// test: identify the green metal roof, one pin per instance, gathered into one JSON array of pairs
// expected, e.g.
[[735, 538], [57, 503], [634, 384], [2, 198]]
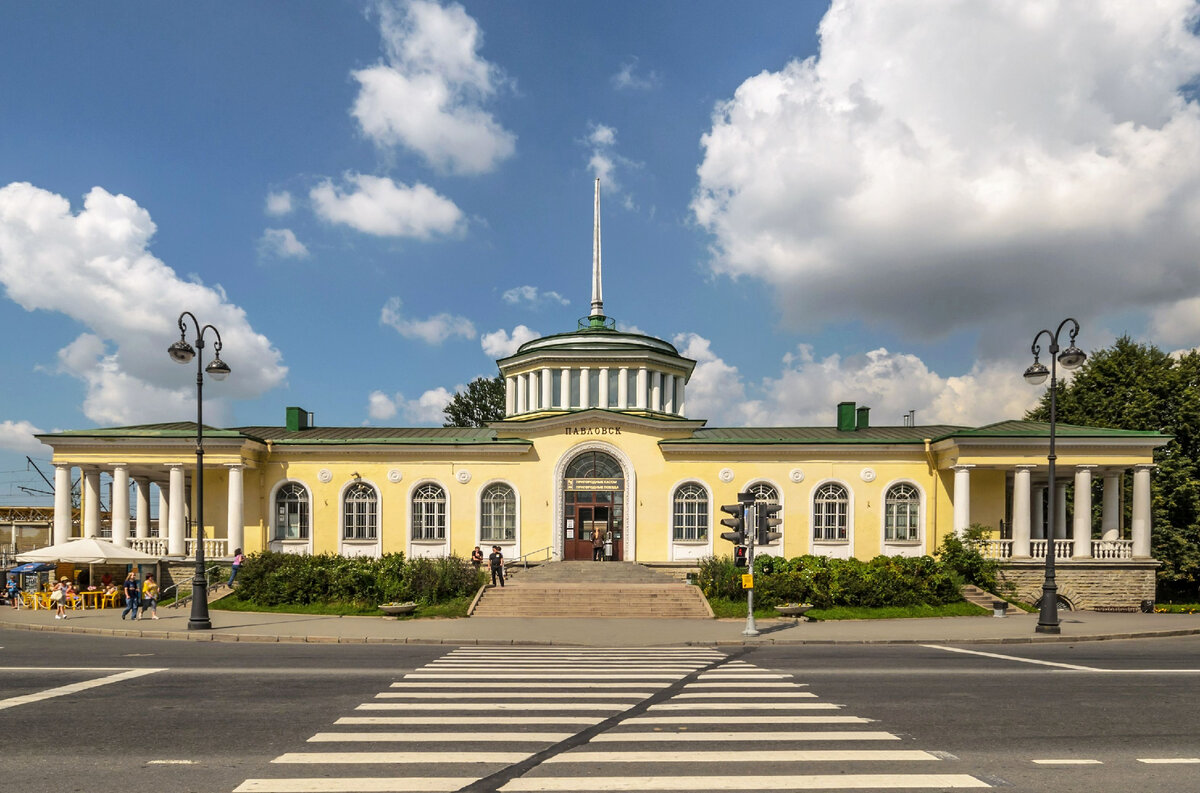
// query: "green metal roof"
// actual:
[[814, 435], [313, 435], [1041, 429]]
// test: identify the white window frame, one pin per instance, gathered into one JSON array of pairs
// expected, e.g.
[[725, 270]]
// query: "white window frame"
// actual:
[[848, 515], [516, 507], [306, 523], [373, 516], [292, 546], [701, 523], [914, 547]]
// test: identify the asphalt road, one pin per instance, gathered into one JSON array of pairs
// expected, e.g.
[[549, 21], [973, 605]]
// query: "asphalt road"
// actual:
[[213, 715]]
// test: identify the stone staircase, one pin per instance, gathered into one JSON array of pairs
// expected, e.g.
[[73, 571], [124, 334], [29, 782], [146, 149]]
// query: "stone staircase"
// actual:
[[592, 589], [984, 599]]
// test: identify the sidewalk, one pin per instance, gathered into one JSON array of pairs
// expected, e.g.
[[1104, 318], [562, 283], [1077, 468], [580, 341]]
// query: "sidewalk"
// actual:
[[259, 627]]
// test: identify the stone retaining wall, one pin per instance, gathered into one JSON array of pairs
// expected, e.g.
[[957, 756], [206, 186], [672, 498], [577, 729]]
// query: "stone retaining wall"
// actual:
[[1085, 584]]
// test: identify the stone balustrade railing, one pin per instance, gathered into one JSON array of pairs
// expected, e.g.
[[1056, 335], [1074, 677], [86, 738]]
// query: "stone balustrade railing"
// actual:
[[214, 548], [152, 546]]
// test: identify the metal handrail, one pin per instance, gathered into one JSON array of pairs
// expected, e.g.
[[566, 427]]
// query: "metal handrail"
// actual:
[[179, 598], [523, 559]]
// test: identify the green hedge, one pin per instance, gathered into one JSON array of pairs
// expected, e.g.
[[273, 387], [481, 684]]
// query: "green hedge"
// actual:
[[273, 579], [825, 582]]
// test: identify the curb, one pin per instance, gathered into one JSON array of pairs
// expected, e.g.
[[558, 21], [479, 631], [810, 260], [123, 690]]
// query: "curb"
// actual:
[[214, 636]]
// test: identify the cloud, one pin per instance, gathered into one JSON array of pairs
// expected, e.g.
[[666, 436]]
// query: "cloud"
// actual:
[[279, 204], [807, 389], [904, 177], [499, 344], [429, 408], [17, 436], [281, 244], [377, 205], [626, 79], [434, 330], [95, 267], [533, 297], [426, 94]]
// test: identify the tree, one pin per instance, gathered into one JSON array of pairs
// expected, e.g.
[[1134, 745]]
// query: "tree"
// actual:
[[1136, 386], [483, 401]]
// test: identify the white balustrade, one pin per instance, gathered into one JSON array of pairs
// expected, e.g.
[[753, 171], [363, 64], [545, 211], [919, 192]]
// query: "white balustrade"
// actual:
[[1062, 549], [213, 547], [153, 546], [996, 549], [1112, 549]]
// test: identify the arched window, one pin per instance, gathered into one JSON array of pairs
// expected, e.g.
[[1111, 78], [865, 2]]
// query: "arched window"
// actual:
[[360, 509], [498, 514], [429, 513], [830, 512], [765, 493], [291, 512], [902, 506], [691, 512]]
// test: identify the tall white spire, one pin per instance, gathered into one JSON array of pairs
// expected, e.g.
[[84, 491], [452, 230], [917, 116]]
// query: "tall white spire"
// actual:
[[597, 288]]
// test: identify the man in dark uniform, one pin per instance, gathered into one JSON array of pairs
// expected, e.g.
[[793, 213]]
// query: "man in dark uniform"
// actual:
[[496, 564]]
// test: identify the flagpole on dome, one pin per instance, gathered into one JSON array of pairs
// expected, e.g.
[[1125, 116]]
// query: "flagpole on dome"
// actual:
[[596, 318]]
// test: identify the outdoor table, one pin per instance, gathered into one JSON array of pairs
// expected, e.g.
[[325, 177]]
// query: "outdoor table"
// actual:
[[92, 598]]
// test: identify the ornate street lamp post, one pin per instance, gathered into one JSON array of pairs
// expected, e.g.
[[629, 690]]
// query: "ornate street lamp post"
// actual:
[[182, 352], [1070, 358]]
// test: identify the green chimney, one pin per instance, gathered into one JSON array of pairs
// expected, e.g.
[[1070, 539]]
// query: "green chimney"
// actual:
[[863, 421], [297, 419], [845, 417]]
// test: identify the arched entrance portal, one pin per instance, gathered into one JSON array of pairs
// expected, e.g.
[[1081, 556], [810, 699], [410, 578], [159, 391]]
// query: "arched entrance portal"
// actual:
[[593, 505]]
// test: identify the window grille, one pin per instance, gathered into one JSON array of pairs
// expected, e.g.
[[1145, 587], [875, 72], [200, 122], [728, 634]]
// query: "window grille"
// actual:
[[361, 511], [291, 512], [691, 512], [830, 511], [901, 511], [498, 514], [429, 513]]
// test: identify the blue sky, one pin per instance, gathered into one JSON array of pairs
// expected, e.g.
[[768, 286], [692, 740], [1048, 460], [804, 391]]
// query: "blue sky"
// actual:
[[373, 201]]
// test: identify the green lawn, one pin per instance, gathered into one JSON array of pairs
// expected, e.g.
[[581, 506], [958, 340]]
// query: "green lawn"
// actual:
[[723, 607], [453, 608], [1177, 608]]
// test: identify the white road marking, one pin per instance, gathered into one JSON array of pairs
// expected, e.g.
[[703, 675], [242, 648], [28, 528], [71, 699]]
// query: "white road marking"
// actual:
[[540, 676], [746, 756], [492, 720], [408, 784], [494, 706], [74, 688], [504, 758], [744, 686], [1011, 658], [1168, 760], [725, 705], [790, 782], [485, 683], [1066, 761], [744, 695], [170, 762], [440, 737], [828, 735], [476, 695], [724, 720]]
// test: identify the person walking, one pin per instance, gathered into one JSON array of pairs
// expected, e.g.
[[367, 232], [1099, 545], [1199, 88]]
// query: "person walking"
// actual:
[[132, 595], [14, 592], [150, 596], [477, 558], [238, 558], [496, 564], [597, 545], [58, 596]]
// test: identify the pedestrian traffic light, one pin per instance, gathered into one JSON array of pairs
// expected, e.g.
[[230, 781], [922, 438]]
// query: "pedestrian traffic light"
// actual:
[[736, 522], [766, 522], [739, 556]]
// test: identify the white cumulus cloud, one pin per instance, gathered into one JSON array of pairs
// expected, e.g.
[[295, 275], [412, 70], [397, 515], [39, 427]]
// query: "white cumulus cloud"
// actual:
[[428, 92], [432, 330], [500, 344], [533, 297], [628, 78], [96, 268], [377, 205], [17, 436], [281, 244], [426, 409], [279, 204], [946, 163]]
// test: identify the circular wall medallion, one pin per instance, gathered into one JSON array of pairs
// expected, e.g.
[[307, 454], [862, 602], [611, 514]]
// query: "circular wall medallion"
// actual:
[[867, 474], [325, 475], [796, 475], [395, 476], [463, 477], [725, 475]]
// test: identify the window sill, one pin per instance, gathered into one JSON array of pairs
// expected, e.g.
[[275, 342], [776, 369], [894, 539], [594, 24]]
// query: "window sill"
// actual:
[[691, 542], [427, 542], [291, 540], [831, 542], [902, 542], [359, 541]]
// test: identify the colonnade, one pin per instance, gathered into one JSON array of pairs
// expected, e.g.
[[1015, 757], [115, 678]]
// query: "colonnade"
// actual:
[[172, 505], [635, 389], [1029, 508]]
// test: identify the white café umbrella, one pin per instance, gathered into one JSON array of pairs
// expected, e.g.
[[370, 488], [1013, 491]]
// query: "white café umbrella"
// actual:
[[89, 550]]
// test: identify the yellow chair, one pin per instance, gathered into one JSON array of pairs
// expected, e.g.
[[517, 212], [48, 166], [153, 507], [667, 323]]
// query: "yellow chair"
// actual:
[[73, 601], [110, 599]]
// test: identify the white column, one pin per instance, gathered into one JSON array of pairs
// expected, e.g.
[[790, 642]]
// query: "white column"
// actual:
[[668, 393], [522, 390], [1021, 511], [585, 387], [603, 401], [91, 502], [962, 498], [164, 511], [564, 389], [1060, 511], [510, 396], [142, 525], [176, 545], [623, 388], [547, 389], [1110, 507], [656, 391], [679, 403], [1037, 513], [62, 502], [1140, 529], [120, 504], [1082, 528], [643, 384], [235, 523]]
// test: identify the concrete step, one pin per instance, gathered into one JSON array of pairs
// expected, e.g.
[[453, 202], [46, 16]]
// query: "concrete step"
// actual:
[[526, 599], [981, 597]]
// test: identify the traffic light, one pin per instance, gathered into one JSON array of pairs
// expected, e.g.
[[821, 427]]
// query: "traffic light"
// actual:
[[766, 522], [739, 556], [736, 522]]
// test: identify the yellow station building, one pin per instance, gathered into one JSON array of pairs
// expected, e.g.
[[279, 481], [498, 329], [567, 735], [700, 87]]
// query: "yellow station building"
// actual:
[[597, 438]]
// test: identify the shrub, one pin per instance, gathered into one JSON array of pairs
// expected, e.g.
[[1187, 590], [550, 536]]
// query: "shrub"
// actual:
[[962, 557], [719, 578], [826, 583]]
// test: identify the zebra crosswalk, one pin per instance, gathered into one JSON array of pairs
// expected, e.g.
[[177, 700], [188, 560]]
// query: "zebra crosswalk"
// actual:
[[588, 720]]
